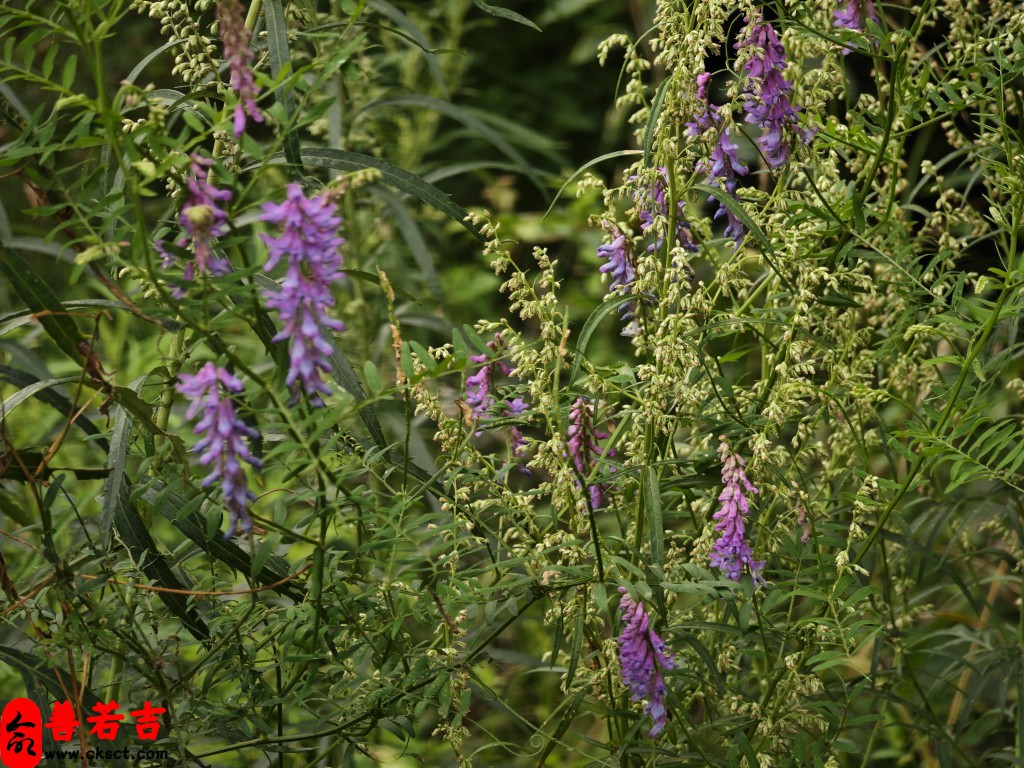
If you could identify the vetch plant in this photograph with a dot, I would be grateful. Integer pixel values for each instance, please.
(644, 658)
(222, 442)
(584, 449)
(764, 65)
(732, 549)
(203, 220)
(235, 37)
(310, 243)
(495, 527)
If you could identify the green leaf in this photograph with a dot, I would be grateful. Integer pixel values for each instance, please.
(471, 121)
(39, 298)
(572, 706)
(345, 375)
(142, 411)
(413, 33)
(32, 390)
(55, 400)
(414, 239)
(120, 439)
(589, 327)
(652, 120)
(655, 521)
(131, 530)
(585, 166)
(837, 300)
(393, 176)
(733, 206)
(280, 62)
(577, 646)
(68, 74)
(505, 14)
(372, 376)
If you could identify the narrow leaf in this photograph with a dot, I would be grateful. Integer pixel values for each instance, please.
(280, 61)
(393, 176)
(474, 123)
(120, 438)
(414, 33)
(414, 239)
(504, 13)
(589, 327)
(145, 554)
(39, 298)
(655, 521)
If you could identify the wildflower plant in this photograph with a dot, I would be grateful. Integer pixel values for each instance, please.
(222, 442)
(310, 243)
(717, 465)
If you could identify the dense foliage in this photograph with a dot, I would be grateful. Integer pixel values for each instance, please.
(719, 463)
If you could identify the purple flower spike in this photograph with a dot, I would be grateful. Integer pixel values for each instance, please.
(732, 551)
(851, 14)
(222, 443)
(203, 219)
(768, 105)
(619, 265)
(583, 447)
(516, 441)
(479, 387)
(707, 116)
(724, 163)
(235, 36)
(643, 656)
(310, 242)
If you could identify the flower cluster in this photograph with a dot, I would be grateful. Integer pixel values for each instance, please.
(652, 206)
(643, 656)
(768, 105)
(732, 551)
(851, 14)
(481, 399)
(235, 36)
(203, 219)
(310, 242)
(724, 162)
(479, 387)
(619, 265)
(222, 443)
(516, 441)
(583, 447)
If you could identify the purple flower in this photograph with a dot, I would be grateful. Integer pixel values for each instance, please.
(516, 441)
(619, 265)
(479, 395)
(643, 655)
(310, 241)
(724, 162)
(652, 205)
(203, 219)
(583, 447)
(768, 105)
(222, 441)
(732, 551)
(851, 14)
(235, 36)
(707, 115)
